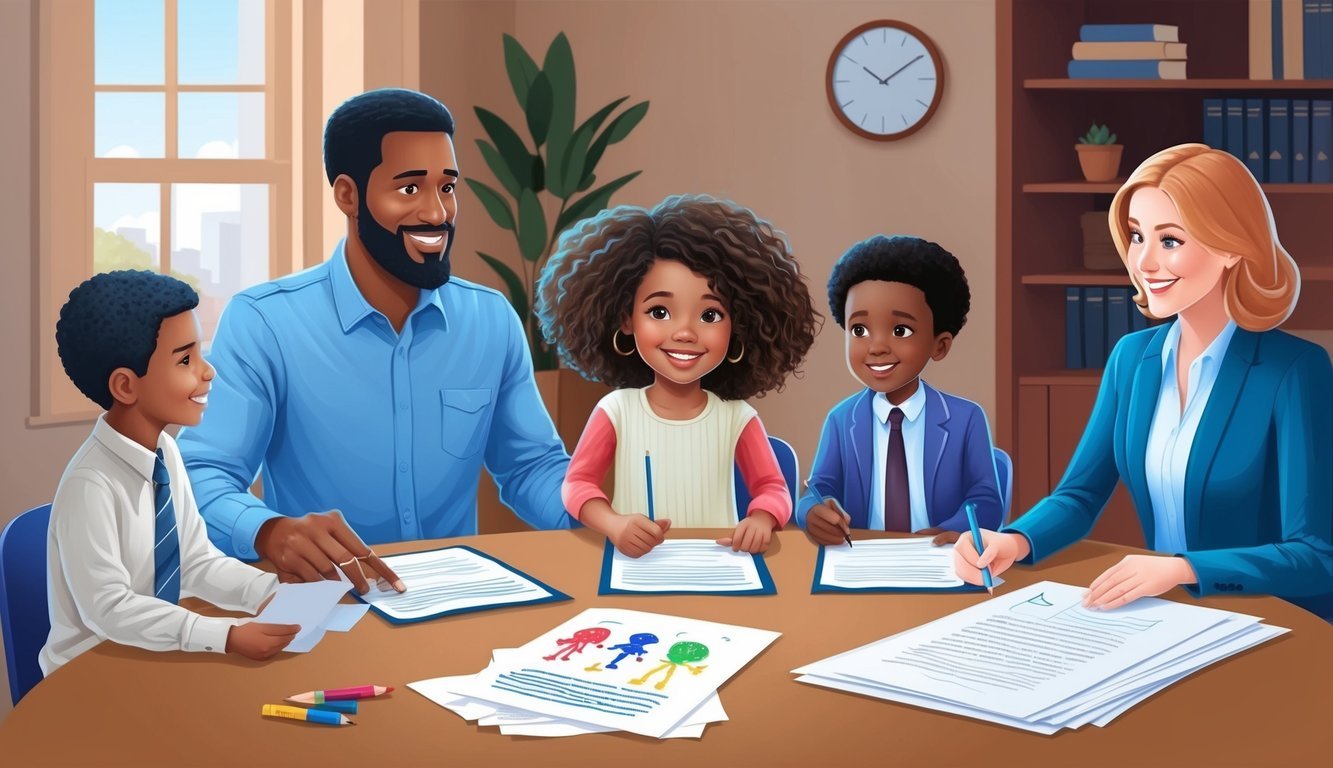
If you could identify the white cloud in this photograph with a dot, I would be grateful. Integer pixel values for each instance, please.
(124, 150)
(218, 150)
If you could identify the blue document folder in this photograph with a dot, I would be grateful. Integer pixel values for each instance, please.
(709, 581)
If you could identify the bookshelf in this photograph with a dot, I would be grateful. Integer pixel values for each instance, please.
(1043, 407)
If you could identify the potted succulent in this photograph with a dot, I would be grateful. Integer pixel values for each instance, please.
(1098, 154)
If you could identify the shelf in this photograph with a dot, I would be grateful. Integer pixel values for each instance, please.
(1090, 277)
(1189, 84)
(1086, 377)
(1110, 188)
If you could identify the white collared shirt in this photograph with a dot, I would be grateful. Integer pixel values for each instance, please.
(914, 443)
(99, 557)
(1172, 434)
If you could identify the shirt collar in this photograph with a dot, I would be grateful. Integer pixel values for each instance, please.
(1211, 355)
(911, 407)
(351, 306)
(136, 456)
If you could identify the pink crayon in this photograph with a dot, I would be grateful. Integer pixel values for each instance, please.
(340, 694)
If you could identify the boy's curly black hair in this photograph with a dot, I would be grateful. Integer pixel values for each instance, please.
(587, 290)
(111, 321)
(904, 259)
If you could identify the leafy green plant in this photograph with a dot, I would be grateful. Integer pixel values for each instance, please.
(562, 164)
(1097, 134)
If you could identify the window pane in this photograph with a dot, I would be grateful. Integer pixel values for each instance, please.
(129, 124)
(220, 41)
(220, 125)
(219, 235)
(126, 225)
(128, 42)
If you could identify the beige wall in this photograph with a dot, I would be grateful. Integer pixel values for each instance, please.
(738, 109)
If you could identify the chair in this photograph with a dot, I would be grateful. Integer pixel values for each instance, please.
(23, 613)
(1004, 469)
(786, 462)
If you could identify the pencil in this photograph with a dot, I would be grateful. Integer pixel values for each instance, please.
(971, 510)
(824, 499)
(648, 480)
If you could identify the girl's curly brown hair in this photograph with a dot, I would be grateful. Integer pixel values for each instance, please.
(587, 290)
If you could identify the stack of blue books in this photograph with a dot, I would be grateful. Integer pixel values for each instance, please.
(1095, 319)
(1128, 52)
(1281, 141)
(1291, 39)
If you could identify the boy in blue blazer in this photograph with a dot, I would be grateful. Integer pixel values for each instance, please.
(900, 455)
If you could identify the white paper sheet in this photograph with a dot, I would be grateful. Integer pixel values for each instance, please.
(344, 617)
(680, 565)
(628, 670)
(450, 579)
(890, 564)
(308, 605)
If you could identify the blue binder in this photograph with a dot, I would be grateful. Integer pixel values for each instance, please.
(1213, 124)
(1234, 131)
(1073, 327)
(1094, 327)
(1117, 315)
(1321, 140)
(1300, 141)
(1254, 138)
(1279, 142)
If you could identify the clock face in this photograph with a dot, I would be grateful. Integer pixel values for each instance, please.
(884, 80)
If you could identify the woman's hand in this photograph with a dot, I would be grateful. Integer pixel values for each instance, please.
(1001, 550)
(753, 534)
(1138, 576)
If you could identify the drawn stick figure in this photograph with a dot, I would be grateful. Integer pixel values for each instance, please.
(580, 640)
(635, 647)
(680, 654)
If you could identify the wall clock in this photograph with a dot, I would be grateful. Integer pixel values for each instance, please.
(884, 80)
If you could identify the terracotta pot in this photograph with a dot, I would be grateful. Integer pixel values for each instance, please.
(1100, 162)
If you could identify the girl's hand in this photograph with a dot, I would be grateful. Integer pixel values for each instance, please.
(636, 535)
(1138, 576)
(753, 534)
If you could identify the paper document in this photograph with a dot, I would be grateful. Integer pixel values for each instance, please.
(309, 605)
(454, 580)
(889, 564)
(686, 565)
(344, 617)
(1036, 659)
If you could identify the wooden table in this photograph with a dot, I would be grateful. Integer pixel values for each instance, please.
(116, 705)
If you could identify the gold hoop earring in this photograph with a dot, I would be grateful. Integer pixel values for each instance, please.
(737, 358)
(616, 344)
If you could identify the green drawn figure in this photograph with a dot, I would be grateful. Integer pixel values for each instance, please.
(679, 655)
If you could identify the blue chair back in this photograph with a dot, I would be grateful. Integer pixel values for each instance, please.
(786, 462)
(23, 611)
(1004, 468)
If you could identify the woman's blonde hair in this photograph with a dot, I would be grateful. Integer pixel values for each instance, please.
(1222, 207)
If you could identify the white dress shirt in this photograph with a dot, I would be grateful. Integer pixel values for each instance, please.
(914, 444)
(1172, 434)
(99, 557)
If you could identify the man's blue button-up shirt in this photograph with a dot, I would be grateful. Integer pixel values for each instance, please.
(339, 411)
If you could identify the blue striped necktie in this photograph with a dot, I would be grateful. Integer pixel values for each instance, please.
(167, 550)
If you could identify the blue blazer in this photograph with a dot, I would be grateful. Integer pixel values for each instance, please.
(1259, 481)
(959, 461)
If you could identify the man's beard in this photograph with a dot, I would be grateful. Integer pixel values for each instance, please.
(388, 250)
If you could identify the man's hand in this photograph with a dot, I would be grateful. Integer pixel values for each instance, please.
(259, 640)
(827, 525)
(942, 536)
(753, 534)
(315, 546)
(1001, 551)
(636, 535)
(1138, 576)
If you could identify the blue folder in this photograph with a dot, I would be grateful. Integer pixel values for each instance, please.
(555, 596)
(604, 588)
(816, 587)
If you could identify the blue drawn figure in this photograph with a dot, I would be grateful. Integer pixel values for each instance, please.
(679, 655)
(636, 647)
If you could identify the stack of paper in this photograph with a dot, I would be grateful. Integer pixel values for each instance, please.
(1036, 659)
(314, 606)
(606, 670)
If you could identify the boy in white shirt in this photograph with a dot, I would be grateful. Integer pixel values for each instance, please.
(126, 536)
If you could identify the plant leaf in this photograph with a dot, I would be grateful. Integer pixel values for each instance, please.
(538, 109)
(587, 182)
(1111, 140)
(559, 70)
(538, 174)
(531, 226)
(511, 147)
(591, 203)
(521, 68)
(616, 131)
(518, 294)
(499, 167)
(569, 173)
(494, 203)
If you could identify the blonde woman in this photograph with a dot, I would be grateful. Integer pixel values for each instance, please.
(1220, 426)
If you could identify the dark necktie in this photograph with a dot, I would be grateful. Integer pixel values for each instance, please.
(897, 501)
(167, 550)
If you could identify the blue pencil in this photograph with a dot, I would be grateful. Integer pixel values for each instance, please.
(971, 510)
(648, 480)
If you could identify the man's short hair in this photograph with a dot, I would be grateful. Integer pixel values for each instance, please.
(356, 129)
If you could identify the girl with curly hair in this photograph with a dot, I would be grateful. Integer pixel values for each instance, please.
(689, 308)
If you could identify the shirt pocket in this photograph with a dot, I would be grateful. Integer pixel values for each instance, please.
(464, 414)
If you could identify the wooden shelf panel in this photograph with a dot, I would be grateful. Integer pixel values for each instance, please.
(1110, 188)
(1063, 377)
(1090, 277)
(1196, 84)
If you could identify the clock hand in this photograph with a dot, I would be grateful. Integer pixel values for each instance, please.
(900, 69)
(881, 80)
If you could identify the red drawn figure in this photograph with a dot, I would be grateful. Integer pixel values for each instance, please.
(578, 642)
